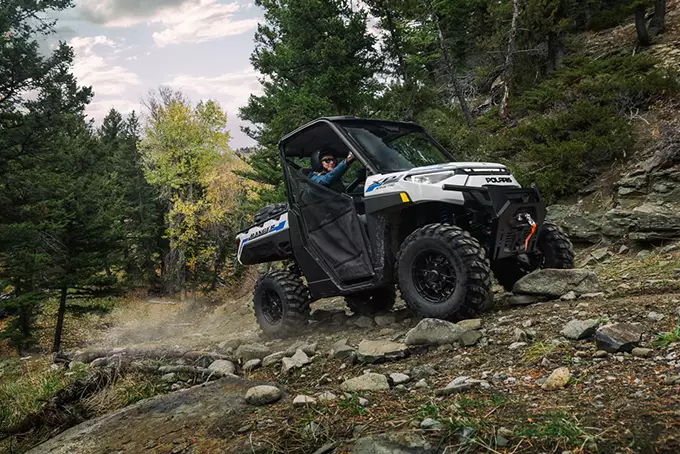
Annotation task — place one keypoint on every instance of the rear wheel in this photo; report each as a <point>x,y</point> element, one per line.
<point>443,272</point>
<point>371,302</point>
<point>281,302</point>
<point>554,250</point>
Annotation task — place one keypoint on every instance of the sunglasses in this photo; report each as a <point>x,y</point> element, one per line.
<point>328,160</point>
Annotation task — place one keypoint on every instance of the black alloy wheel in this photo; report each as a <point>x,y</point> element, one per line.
<point>281,302</point>
<point>272,308</point>
<point>434,276</point>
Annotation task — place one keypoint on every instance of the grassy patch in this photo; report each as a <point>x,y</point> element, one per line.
<point>556,429</point>
<point>352,406</point>
<point>539,350</point>
<point>667,338</point>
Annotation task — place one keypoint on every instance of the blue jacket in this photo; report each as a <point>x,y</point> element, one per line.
<point>330,178</point>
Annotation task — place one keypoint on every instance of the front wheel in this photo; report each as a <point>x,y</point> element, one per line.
<point>553,250</point>
<point>281,302</point>
<point>443,271</point>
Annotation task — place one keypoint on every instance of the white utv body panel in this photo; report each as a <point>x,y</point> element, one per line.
<point>460,174</point>
<point>261,232</point>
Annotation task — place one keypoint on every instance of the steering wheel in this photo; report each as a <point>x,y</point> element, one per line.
<point>361,177</point>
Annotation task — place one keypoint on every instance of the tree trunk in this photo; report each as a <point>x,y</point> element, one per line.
<point>509,61</point>
<point>555,51</point>
<point>60,321</point>
<point>640,26</point>
<point>450,72</point>
<point>658,24</point>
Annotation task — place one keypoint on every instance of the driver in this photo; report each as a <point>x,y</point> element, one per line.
<point>331,172</point>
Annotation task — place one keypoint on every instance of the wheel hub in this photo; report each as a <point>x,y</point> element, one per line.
<point>434,276</point>
<point>272,307</point>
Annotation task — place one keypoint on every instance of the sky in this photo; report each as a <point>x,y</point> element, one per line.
<point>124,48</point>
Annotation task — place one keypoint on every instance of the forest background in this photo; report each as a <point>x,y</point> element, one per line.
<point>155,200</point>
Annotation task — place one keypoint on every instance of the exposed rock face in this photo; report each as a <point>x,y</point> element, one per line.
<point>579,224</point>
<point>152,422</point>
<point>618,337</point>
<point>556,282</point>
<point>366,382</point>
<point>376,351</point>
<point>396,443</point>
<point>432,331</point>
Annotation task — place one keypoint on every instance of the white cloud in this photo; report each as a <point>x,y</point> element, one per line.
<point>182,21</point>
<point>231,89</point>
<point>199,22</point>
<point>91,68</point>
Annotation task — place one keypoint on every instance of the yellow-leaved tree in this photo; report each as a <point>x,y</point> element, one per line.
<point>187,155</point>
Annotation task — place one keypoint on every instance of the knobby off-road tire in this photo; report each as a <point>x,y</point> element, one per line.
<point>554,251</point>
<point>281,302</point>
<point>371,302</point>
<point>269,211</point>
<point>428,260</point>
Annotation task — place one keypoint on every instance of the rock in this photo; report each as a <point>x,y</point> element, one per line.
<point>326,397</point>
<point>642,352</point>
<point>470,338</point>
<point>521,300</point>
<point>576,222</point>
<point>623,249</point>
<point>431,424</point>
<point>473,323</point>
<point>600,254</point>
<point>252,351</point>
<point>601,354</point>
<point>569,296</point>
<point>432,331</point>
<point>453,389</point>
<point>363,322</point>
<point>401,442</point>
<point>363,402</point>
<point>366,382</point>
<point>579,329</point>
<point>400,389</point>
<point>655,316</point>
<point>421,384</point>
<point>556,282</point>
<point>298,360</point>
<point>516,345</point>
<point>224,366</point>
<point>519,335</point>
<point>398,378</point>
<point>376,351</point>
<point>557,379</point>
<point>302,400</point>
<point>169,377</point>
<point>274,358</point>
<point>385,320</point>
<point>422,371</point>
<point>671,380</point>
<point>591,295</point>
<point>307,348</point>
<point>618,337</point>
<point>263,394</point>
<point>643,255</point>
<point>251,365</point>
<point>340,350</point>
<point>323,314</point>
<point>312,430</point>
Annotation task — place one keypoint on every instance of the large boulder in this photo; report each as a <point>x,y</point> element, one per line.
<point>376,351</point>
<point>618,337</point>
<point>432,331</point>
<point>556,282</point>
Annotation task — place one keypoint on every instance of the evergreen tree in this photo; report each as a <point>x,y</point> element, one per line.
<point>317,59</point>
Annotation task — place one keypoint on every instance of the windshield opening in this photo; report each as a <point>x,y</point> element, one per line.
<point>395,148</point>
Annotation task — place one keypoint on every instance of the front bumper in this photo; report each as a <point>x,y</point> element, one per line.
<point>511,211</point>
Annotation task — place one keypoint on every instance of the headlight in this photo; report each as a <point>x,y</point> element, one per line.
<point>431,178</point>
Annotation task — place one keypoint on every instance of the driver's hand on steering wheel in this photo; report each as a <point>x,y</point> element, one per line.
<point>349,158</point>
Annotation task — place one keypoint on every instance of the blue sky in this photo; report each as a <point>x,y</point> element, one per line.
<point>124,48</point>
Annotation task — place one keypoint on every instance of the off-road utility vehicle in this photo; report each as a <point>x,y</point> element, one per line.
<point>409,215</point>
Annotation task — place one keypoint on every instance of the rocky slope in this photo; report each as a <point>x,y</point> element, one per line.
<point>588,369</point>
